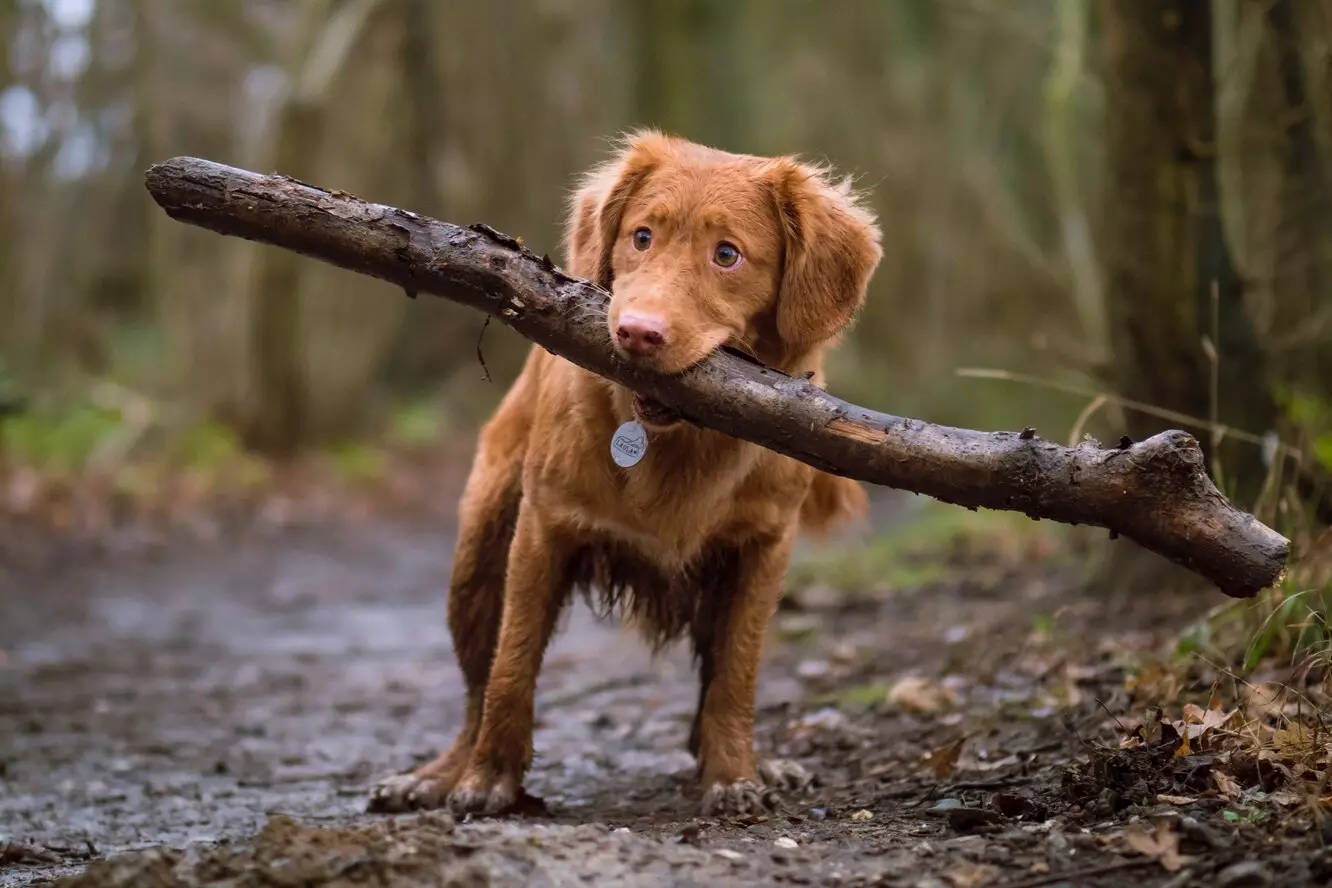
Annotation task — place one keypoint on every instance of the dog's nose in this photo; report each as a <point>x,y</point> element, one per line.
<point>640,334</point>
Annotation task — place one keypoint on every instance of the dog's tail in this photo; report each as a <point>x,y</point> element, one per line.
<point>832,501</point>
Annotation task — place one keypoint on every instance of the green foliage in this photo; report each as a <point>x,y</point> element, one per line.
<point>862,696</point>
<point>357,462</point>
<point>59,442</point>
<point>1313,414</point>
<point>1288,622</point>
<point>416,424</point>
<point>67,442</point>
<point>914,552</point>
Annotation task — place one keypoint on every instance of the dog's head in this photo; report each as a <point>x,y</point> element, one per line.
<point>701,248</point>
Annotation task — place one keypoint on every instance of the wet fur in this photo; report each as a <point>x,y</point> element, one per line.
<point>694,540</point>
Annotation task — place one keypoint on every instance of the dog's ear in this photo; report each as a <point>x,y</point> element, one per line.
<point>831,250</point>
<point>597,206</point>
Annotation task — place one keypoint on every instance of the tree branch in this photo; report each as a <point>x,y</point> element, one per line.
<point>1155,492</point>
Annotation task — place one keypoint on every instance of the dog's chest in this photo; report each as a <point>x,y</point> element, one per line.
<point>669,506</point>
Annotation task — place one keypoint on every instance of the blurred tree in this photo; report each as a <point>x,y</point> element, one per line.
<point>1304,231</point>
<point>691,77</point>
<point>1180,334</point>
<point>275,411</point>
<point>1182,338</point>
<point>1303,280</point>
<point>9,185</point>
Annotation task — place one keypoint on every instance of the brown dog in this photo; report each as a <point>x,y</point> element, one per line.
<point>699,248</point>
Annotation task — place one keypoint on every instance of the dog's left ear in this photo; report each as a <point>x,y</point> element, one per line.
<point>832,248</point>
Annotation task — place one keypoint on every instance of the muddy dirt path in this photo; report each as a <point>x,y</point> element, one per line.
<point>220,710</point>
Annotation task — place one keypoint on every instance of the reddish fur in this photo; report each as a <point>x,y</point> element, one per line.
<point>695,538</point>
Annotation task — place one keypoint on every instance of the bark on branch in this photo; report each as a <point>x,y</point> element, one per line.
<point>1155,492</point>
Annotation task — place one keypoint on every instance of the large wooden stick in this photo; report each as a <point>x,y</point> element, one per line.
<point>1155,492</point>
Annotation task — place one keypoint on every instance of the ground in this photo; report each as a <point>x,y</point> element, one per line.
<point>183,710</point>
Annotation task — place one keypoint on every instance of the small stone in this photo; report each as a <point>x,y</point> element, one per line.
<point>970,846</point>
<point>813,669</point>
<point>1201,833</point>
<point>1247,874</point>
<point>728,854</point>
<point>819,597</point>
<point>819,814</point>
<point>862,815</point>
<point>785,842</point>
<point>959,816</point>
<point>623,829</point>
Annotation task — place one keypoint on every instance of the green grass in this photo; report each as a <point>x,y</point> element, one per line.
<point>1286,623</point>
<point>914,553</point>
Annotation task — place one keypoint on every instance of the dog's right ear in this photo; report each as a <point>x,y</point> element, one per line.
<point>597,207</point>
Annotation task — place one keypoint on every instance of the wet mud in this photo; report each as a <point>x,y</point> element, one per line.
<point>216,712</point>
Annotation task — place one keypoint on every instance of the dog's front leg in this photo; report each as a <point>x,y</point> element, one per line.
<point>730,778</point>
<point>534,593</point>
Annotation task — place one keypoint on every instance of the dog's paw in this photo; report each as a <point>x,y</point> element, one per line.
<point>784,775</point>
<point>484,794</point>
<point>407,792</point>
<point>737,799</point>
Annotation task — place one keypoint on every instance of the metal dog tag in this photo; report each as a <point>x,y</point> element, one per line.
<point>629,444</point>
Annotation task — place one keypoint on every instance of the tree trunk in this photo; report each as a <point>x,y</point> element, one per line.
<point>1155,492</point>
<point>1303,281</point>
<point>1179,331</point>
<point>1306,204</point>
<point>275,421</point>
<point>9,277</point>
<point>689,77</point>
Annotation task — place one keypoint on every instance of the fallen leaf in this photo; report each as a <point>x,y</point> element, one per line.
<point>943,760</point>
<point>1265,700</point>
<point>1295,741</point>
<point>918,694</point>
<point>1154,684</point>
<point>1198,721</point>
<point>1181,801</point>
<point>1226,785</point>
<point>971,875</point>
<point>1163,844</point>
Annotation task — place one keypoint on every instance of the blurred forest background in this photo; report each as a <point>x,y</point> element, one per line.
<point>1104,206</point>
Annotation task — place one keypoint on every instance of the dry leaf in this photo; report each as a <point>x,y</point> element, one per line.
<point>971,875</point>
<point>1163,844</point>
<point>1181,801</point>
<point>1198,721</point>
<point>1155,684</point>
<point>920,695</point>
<point>1226,785</point>
<point>1265,700</point>
<point>1295,741</point>
<point>943,761</point>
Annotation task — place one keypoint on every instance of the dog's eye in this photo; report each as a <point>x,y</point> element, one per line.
<point>726,255</point>
<point>642,239</point>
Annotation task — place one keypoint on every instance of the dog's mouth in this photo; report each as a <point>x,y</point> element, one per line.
<point>651,412</point>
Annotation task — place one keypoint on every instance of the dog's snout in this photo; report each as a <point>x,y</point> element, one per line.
<point>640,334</point>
